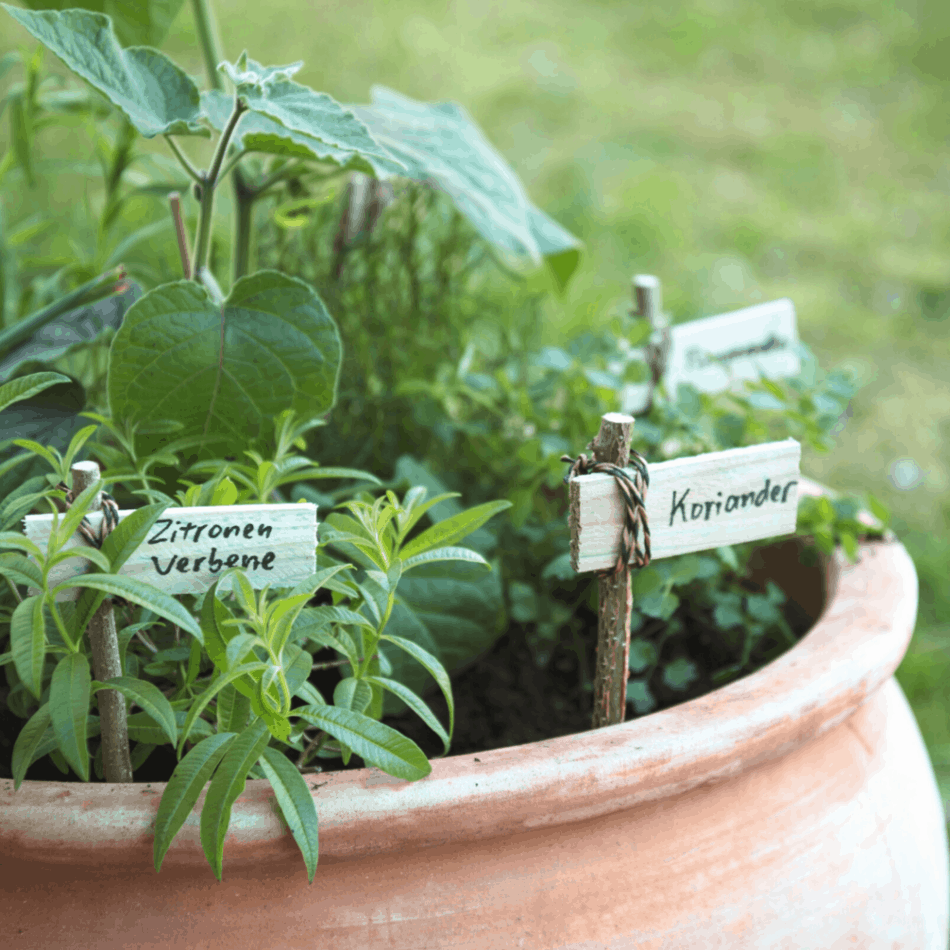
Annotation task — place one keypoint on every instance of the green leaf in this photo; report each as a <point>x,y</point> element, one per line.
<point>270,92</point>
<point>21,570</point>
<point>144,728</point>
<point>136,22</point>
<point>415,703</point>
<point>432,666</point>
<point>228,783</point>
<point>680,673</point>
<point>225,372</point>
<point>27,743</point>
<point>69,707</point>
<point>28,643</point>
<point>83,551</point>
<point>183,789</point>
<point>202,701</point>
<point>445,554</point>
<point>70,521</point>
<point>157,96</point>
<point>296,804</point>
<point>138,593</point>
<point>642,655</point>
<point>639,693</point>
<point>439,142</point>
<point>352,694</point>
<point>446,533</point>
<point>149,697</point>
<point>258,133</point>
<point>232,710</point>
<point>377,744</point>
<point>26,386</point>
<point>13,539</point>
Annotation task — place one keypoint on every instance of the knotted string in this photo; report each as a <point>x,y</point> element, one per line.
<point>110,517</point>
<point>634,492</point>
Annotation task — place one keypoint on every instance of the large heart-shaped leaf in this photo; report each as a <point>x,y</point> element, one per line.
<point>258,133</point>
<point>136,22</point>
<point>225,371</point>
<point>269,91</point>
<point>439,143</point>
<point>158,96</point>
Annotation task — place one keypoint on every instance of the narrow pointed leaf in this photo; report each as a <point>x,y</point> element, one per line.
<point>69,707</point>
<point>445,554</point>
<point>149,697</point>
<point>228,783</point>
<point>446,533</point>
<point>433,666</point>
<point>21,570</point>
<point>351,693</point>
<point>415,703</point>
<point>28,643</point>
<point>139,593</point>
<point>376,743</point>
<point>183,788</point>
<point>296,804</point>
<point>26,386</point>
<point>27,742</point>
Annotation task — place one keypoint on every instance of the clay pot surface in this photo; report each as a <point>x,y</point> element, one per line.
<point>794,808</point>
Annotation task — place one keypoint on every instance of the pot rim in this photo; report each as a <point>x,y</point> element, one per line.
<point>853,648</point>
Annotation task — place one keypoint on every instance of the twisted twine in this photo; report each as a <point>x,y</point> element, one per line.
<point>634,492</point>
<point>110,517</point>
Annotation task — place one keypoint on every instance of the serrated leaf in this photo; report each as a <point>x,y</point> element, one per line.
<point>314,115</point>
<point>258,133</point>
<point>377,744</point>
<point>228,783</point>
<point>225,372</point>
<point>183,789</point>
<point>149,697</point>
<point>69,707</point>
<point>28,643</point>
<point>296,804</point>
<point>157,96</point>
<point>139,593</point>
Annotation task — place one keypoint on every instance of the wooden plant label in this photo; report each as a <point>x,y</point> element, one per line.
<point>188,548</point>
<point>692,504</point>
<point>746,344</point>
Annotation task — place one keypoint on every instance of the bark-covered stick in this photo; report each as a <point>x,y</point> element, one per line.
<point>105,661</point>
<point>615,599</point>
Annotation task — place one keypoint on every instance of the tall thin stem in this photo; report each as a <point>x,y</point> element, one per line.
<point>208,185</point>
<point>243,194</point>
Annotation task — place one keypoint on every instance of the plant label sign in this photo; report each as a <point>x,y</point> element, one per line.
<point>692,504</point>
<point>712,353</point>
<point>188,548</point>
<point>746,344</point>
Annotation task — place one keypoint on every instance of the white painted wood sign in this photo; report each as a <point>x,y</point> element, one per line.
<point>755,342</point>
<point>692,504</point>
<point>188,548</point>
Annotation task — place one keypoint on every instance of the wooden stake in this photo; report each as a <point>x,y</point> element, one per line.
<point>615,599</point>
<point>106,663</point>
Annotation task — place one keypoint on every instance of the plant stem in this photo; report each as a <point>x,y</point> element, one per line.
<point>615,597</point>
<point>106,662</point>
<point>174,199</point>
<point>183,159</point>
<point>243,195</point>
<point>208,184</point>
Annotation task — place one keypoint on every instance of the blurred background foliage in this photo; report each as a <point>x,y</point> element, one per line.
<point>742,151</point>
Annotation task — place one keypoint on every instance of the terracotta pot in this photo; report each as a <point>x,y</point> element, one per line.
<point>795,808</point>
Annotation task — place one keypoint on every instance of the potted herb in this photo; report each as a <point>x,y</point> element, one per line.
<point>680,804</point>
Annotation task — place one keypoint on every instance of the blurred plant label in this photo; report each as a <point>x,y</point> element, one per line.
<point>188,548</point>
<point>751,343</point>
<point>692,504</point>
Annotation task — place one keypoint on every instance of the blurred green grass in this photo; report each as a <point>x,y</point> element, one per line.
<point>742,151</point>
